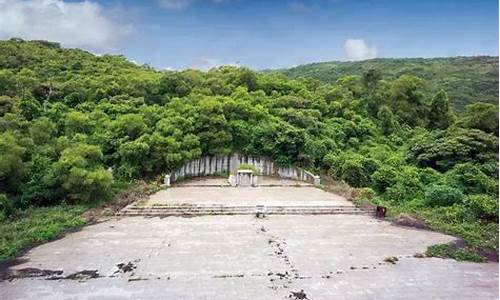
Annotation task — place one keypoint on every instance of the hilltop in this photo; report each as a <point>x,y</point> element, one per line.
<point>465,79</point>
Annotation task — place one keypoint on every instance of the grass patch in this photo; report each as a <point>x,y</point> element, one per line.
<point>448,251</point>
<point>37,225</point>
<point>480,238</point>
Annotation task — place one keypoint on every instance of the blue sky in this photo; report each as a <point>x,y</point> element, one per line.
<point>180,34</point>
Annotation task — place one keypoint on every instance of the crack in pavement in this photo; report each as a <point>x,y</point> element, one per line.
<point>281,280</point>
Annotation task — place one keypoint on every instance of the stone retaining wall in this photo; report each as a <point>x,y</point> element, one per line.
<point>229,164</point>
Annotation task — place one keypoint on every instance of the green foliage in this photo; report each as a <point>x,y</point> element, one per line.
<point>6,207</point>
<point>442,195</point>
<point>440,115</point>
<point>79,174</point>
<point>447,251</point>
<point>483,207</point>
<point>384,177</point>
<point>387,122</point>
<point>355,169</point>
<point>465,79</point>
<point>441,150</point>
<point>365,195</point>
<point>471,180</point>
<point>482,116</point>
<point>12,165</point>
<point>407,187</point>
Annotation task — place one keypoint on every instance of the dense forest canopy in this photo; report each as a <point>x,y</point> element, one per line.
<point>465,79</point>
<point>73,124</point>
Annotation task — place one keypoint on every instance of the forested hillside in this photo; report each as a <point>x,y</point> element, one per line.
<point>74,127</point>
<point>465,79</point>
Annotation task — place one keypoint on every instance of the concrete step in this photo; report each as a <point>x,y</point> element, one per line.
<point>198,210</point>
<point>240,207</point>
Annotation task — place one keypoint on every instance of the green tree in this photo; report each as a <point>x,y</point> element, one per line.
<point>387,121</point>
<point>80,174</point>
<point>440,115</point>
<point>12,164</point>
<point>482,116</point>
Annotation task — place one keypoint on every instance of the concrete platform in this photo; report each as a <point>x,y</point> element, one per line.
<point>244,196</point>
<point>241,257</point>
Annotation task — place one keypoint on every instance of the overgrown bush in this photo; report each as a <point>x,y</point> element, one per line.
<point>443,195</point>
<point>356,170</point>
<point>471,180</point>
<point>6,207</point>
<point>483,207</point>
<point>408,187</point>
<point>384,177</point>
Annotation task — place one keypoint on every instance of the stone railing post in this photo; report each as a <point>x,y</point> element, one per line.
<point>317,180</point>
<point>166,180</point>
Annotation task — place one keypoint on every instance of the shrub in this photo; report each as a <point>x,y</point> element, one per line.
<point>408,186</point>
<point>443,149</point>
<point>356,170</point>
<point>442,195</point>
<point>88,186</point>
<point>490,168</point>
<point>366,194</point>
<point>383,178</point>
<point>483,207</point>
<point>430,176</point>
<point>471,180</point>
<point>6,207</point>
<point>81,176</point>
<point>333,162</point>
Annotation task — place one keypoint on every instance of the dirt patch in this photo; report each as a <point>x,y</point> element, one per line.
<point>83,275</point>
<point>300,295</point>
<point>31,272</point>
<point>337,187</point>
<point>139,191</point>
<point>49,274</point>
<point>410,221</point>
<point>138,279</point>
<point>491,255</point>
<point>126,267</point>
<point>392,259</point>
<point>488,254</point>
<point>228,276</point>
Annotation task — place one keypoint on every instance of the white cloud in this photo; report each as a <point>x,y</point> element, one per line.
<point>357,49</point>
<point>183,4</point>
<point>206,64</point>
<point>73,24</point>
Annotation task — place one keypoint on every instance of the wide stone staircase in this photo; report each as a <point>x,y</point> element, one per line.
<point>163,210</point>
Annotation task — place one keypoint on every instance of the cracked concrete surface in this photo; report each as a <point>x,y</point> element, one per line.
<point>242,257</point>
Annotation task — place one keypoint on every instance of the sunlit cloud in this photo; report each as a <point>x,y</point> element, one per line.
<point>73,24</point>
<point>357,49</point>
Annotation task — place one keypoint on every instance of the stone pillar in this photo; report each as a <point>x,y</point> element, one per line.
<point>232,180</point>
<point>317,180</point>
<point>255,180</point>
<point>166,180</point>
